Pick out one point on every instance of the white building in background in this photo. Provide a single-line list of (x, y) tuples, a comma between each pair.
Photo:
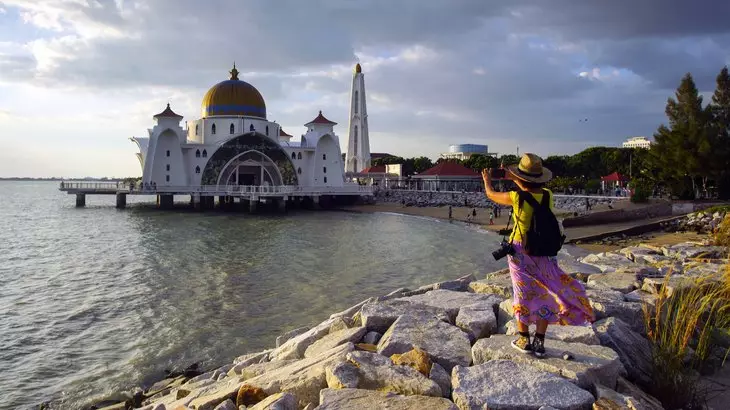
[(465, 151), (234, 144), (358, 145), (637, 142)]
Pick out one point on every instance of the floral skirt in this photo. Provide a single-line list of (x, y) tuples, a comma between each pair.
[(542, 290)]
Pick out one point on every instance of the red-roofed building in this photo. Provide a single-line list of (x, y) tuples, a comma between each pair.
[(320, 119), (449, 176)]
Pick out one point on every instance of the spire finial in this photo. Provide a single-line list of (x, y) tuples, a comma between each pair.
[(234, 72)]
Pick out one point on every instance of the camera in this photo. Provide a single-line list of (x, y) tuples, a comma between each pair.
[(505, 248), (498, 173)]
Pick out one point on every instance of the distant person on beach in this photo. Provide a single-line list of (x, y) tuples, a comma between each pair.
[(588, 204), (491, 217), (543, 293), (473, 212), (450, 212)]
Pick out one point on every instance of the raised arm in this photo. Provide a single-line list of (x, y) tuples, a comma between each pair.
[(501, 198)]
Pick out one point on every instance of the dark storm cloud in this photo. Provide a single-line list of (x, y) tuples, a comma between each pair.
[(473, 69)]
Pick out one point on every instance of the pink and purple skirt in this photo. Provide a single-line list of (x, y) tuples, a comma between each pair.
[(541, 290)]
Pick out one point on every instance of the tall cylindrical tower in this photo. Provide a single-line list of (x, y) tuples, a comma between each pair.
[(358, 146)]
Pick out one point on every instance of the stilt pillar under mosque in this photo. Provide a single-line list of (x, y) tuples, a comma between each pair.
[(165, 201), (121, 201), (80, 200), (253, 205), (281, 204)]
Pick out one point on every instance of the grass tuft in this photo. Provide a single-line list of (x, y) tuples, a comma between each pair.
[(681, 328)]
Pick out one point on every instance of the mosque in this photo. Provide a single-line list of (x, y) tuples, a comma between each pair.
[(234, 149)]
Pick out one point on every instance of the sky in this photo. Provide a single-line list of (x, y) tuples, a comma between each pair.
[(78, 78)]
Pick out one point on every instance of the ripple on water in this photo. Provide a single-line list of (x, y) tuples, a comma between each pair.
[(94, 300)]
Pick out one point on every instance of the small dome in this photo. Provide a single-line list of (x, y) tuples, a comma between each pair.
[(233, 97), (358, 69)]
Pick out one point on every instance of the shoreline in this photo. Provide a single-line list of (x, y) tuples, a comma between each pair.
[(313, 366)]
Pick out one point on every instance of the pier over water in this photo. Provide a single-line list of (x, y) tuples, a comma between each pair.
[(203, 196)]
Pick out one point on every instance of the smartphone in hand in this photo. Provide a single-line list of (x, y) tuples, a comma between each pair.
[(498, 173)]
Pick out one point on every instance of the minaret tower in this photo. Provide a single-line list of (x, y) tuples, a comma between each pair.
[(358, 146)]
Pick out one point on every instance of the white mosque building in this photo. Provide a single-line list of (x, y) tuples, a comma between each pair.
[(234, 148)]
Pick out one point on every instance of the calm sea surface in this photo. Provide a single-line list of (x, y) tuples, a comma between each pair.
[(98, 300)]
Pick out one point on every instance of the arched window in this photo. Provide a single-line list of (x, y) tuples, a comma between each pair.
[(354, 165), (167, 154), (197, 129), (325, 180), (167, 167), (205, 154), (324, 157), (251, 128), (293, 155), (267, 130), (231, 129), (197, 153), (324, 169), (299, 155), (197, 170), (167, 178), (356, 101), (299, 171), (213, 129)]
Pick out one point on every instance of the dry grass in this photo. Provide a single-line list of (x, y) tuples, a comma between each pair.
[(681, 329), (722, 235)]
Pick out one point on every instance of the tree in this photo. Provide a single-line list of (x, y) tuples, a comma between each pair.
[(720, 111), (558, 164), (683, 149), (421, 164), (478, 162), (508, 159)]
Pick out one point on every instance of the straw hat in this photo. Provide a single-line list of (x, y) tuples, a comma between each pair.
[(530, 169)]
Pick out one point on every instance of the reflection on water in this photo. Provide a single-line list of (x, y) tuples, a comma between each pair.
[(96, 300)]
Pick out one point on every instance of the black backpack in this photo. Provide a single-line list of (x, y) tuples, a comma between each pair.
[(543, 237)]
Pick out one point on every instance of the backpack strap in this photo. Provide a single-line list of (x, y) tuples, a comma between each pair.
[(527, 197)]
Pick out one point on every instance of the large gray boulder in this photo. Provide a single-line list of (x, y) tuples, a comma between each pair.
[(376, 372), (608, 303), (623, 282), (641, 296), (303, 378), (278, 401), (671, 284), (590, 363), (451, 301), (689, 250), (446, 344), (568, 334), (607, 261), (333, 339), (503, 384), (500, 285), (644, 400), (378, 317), (633, 349), (295, 347), (358, 399), (477, 320), (439, 375)]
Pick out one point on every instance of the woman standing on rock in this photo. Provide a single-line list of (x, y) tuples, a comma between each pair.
[(543, 294)]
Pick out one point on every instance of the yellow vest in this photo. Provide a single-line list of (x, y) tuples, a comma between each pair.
[(521, 217)]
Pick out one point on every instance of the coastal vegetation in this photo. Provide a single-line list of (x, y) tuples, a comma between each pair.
[(685, 326), (690, 156)]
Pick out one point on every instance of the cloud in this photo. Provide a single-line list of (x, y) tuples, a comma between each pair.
[(437, 72)]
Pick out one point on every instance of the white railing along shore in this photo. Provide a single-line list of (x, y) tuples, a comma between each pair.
[(120, 187)]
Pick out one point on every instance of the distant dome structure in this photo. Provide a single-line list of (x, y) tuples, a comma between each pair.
[(233, 97)]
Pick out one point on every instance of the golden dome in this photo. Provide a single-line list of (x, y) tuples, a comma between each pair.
[(233, 97), (358, 69)]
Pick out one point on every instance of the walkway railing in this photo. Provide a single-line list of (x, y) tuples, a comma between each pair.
[(232, 190)]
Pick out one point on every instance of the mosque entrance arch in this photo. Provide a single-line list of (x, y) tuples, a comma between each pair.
[(250, 168), (249, 159)]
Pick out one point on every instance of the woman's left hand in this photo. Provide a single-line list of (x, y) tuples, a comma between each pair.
[(487, 176)]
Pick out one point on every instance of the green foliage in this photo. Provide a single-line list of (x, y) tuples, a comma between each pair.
[(508, 159), (410, 165), (479, 162), (641, 190), (593, 186)]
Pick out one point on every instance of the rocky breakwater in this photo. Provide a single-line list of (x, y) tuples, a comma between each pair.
[(447, 346), (475, 199), (700, 222)]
